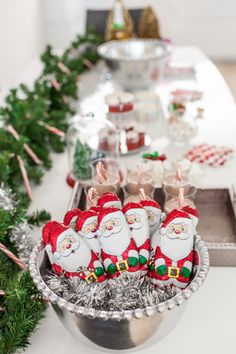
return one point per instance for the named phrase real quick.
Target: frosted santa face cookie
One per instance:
(71, 217)
(136, 218)
(87, 224)
(173, 260)
(118, 250)
(70, 254)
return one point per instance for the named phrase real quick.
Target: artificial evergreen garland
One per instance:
(33, 122)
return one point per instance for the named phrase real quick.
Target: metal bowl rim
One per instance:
(167, 50)
(177, 300)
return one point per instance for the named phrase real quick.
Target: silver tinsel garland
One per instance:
(22, 238)
(21, 234)
(6, 199)
(119, 294)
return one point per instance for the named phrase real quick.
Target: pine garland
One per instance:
(39, 117)
(32, 111)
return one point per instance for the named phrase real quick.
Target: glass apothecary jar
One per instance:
(88, 139)
(181, 128)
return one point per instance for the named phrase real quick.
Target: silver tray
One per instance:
(217, 220)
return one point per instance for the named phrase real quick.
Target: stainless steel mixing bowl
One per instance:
(127, 330)
(135, 64)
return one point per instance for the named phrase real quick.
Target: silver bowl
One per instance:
(127, 330)
(135, 64)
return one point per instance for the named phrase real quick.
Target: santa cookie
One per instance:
(87, 224)
(173, 259)
(118, 250)
(70, 254)
(136, 218)
(71, 217)
(109, 200)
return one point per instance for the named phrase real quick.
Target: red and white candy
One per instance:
(70, 255)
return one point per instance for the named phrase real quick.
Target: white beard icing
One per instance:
(176, 249)
(81, 257)
(140, 232)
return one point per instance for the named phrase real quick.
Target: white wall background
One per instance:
(21, 37)
(210, 24)
(26, 25)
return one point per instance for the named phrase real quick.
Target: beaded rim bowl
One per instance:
(134, 50)
(177, 300)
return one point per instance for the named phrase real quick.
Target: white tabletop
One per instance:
(208, 324)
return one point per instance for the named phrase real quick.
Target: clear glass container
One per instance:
(172, 184)
(171, 165)
(151, 166)
(172, 198)
(121, 113)
(89, 138)
(141, 177)
(110, 178)
(147, 107)
(181, 128)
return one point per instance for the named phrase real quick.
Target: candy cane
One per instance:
(181, 197)
(91, 196)
(16, 260)
(142, 194)
(52, 129)
(25, 177)
(88, 63)
(56, 84)
(140, 173)
(101, 172)
(178, 172)
(30, 152)
(63, 68)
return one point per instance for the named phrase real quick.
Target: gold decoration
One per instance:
(148, 24)
(127, 31)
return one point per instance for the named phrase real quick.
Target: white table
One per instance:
(208, 324)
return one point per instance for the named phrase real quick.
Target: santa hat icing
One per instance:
(70, 215)
(192, 213)
(105, 212)
(131, 205)
(174, 214)
(84, 215)
(108, 198)
(150, 203)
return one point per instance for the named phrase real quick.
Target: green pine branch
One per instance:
(29, 111)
